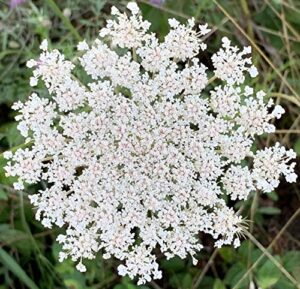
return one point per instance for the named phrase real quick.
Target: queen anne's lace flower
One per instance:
(138, 160)
(238, 182)
(269, 164)
(230, 64)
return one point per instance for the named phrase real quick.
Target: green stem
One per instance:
(64, 19)
(15, 148)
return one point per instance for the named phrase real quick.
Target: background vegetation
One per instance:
(270, 257)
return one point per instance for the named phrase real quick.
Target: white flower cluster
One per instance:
(139, 159)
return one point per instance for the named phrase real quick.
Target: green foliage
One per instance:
(234, 274)
(267, 275)
(297, 147)
(10, 135)
(173, 265)
(227, 254)
(15, 268)
(218, 284)
(29, 252)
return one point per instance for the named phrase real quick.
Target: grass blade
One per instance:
(15, 268)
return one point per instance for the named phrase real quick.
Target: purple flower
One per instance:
(14, 3)
(157, 2)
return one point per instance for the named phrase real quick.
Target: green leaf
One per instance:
(187, 281)
(13, 266)
(283, 282)
(234, 274)
(207, 283)
(267, 275)
(173, 265)
(291, 262)
(243, 253)
(269, 210)
(297, 147)
(11, 133)
(227, 253)
(158, 20)
(218, 284)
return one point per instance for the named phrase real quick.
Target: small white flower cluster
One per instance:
(139, 159)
